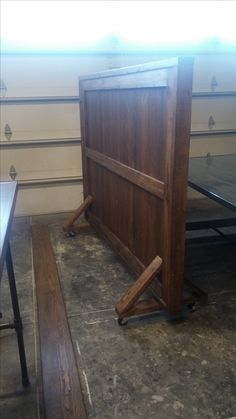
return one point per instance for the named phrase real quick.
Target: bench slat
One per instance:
(61, 386)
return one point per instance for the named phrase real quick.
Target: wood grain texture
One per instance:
(142, 307)
(69, 223)
(148, 183)
(124, 253)
(133, 69)
(61, 386)
(136, 148)
(140, 285)
(176, 177)
(142, 79)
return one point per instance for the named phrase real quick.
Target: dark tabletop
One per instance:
(7, 205)
(215, 177)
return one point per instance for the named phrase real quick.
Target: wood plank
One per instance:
(140, 285)
(133, 69)
(84, 139)
(148, 183)
(149, 153)
(69, 223)
(148, 226)
(61, 386)
(143, 307)
(77, 228)
(141, 80)
(177, 149)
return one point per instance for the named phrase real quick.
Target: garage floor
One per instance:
(149, 369)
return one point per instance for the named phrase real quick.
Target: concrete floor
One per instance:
(149, 369)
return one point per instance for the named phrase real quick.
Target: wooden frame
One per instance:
(135, 126)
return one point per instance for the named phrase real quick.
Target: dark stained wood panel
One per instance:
(61, 386)
(141, 130)
(150, 149)
(135, 142)
(112, 202)
(93, 119)
(147, 226)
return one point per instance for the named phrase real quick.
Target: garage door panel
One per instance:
(40, 121)
(41, 163)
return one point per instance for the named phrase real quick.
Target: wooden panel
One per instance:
(61, 386)
(148, 226)
(135, 142)
(142, 79)
(150, 149)
(112, 202)
(177, 150)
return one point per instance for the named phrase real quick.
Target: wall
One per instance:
(44, 146)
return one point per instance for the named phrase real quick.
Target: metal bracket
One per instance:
(214, 84)
(8, 132)
(211, 122)
(12, 172)
(3, 88)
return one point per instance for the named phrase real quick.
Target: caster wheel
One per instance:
(122, 322)
(70, 234)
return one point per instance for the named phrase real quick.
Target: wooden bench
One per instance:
(61, 385)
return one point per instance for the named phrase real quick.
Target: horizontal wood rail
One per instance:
(148, 183)
(62, 392)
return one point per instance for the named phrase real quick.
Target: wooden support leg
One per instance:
(69, 223)
(128, 305)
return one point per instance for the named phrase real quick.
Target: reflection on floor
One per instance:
(148, 369)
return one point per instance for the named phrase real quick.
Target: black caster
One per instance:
(70, 234)
(122, 322)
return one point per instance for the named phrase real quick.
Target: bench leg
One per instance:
(17, 318)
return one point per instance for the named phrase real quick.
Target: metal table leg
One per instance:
(17, 318)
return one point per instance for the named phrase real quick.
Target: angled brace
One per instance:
(129, 306)
(69, 224)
